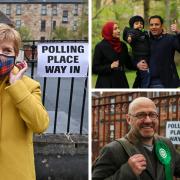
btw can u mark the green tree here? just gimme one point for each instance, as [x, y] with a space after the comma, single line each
[83, 28]
[25, 33]
[60, 33]
[146, 10]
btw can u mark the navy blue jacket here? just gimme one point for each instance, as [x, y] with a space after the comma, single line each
[162, 63]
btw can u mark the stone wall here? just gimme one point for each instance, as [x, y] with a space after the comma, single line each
[61, 157]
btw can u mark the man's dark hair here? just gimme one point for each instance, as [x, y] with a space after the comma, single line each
[158, 17]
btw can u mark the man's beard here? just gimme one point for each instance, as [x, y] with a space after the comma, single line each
[138, 134]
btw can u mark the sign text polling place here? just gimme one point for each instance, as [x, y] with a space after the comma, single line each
[63, 59]
[173, 131]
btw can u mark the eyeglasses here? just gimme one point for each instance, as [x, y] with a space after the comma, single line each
[143, 115]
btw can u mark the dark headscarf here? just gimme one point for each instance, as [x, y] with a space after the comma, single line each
[107, 34]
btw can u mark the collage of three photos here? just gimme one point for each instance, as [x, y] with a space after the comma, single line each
[135, 96]
[89, 89]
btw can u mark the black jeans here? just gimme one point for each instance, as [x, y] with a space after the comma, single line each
[145, 78]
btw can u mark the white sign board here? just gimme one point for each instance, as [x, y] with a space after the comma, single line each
[62, 59]
[173, 131]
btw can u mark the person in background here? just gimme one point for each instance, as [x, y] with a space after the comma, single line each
[110, 58]
[138, 39]
[163, 47]
[141, 154]
[21, 111]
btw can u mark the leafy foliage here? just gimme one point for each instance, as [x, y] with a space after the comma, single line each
[121, 10]
[60, 33]
[25, 33]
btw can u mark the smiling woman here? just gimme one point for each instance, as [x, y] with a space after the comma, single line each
[21, 111]
[110, 58]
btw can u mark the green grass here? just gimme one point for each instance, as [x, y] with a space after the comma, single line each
[130, 76]
[94, 77]
[178, 69]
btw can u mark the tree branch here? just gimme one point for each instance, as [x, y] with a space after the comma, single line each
[100, 11]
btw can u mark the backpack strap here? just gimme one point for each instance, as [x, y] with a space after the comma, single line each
[129, 148]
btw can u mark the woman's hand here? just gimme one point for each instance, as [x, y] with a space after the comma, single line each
[142, 65]
[115, 64]
[22, 66]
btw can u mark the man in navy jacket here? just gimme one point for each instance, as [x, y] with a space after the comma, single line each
[163, 46]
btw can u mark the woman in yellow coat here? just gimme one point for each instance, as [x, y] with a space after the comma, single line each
[21, 111]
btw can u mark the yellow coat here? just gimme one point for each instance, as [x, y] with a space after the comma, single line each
[21, 115]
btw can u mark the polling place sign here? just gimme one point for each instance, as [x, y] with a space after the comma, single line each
[173, 131]
[62, 59]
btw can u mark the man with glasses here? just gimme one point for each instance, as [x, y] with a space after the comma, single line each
[141, 154]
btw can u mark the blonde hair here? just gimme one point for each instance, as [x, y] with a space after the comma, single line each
[10, 34]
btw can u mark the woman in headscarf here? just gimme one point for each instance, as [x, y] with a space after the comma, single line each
[110, 57]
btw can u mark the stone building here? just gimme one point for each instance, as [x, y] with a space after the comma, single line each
[109, 111]
[42, 17]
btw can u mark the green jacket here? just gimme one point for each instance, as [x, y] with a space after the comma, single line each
[112, 162]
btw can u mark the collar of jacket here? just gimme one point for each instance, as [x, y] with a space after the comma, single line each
[156, 37]
[134, 139]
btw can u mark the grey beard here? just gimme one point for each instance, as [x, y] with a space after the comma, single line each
[139, 136]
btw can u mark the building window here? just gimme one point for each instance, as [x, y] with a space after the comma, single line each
[165, 108]
[157, 109]
[43, 25]
[155, 94]
[8, 10]
[43, 10]
[112, 109]
[174, 108]
[18, 23]
[86, 10]
[75, 26]
[172, 93]
[112, 132]
[54, 25]
[65, 16]
[42, 38]
[130, 98]
[18, 9]
[76, 10]
[54, 10]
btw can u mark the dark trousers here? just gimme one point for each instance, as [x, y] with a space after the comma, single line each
[145, 78]
[156, 83]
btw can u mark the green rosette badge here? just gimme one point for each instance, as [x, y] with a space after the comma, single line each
[164, 155]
